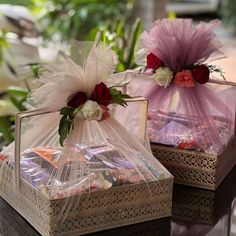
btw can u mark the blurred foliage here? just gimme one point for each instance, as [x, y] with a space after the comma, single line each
[17, 96]
[15, 2]
[73, 19]
[123, 39]
[3, 43]
[63, 20]
[6, 135]
[228, 12]
[82, 19]
[13, 100]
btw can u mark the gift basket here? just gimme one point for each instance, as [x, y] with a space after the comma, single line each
[74, 169]
[190, 125]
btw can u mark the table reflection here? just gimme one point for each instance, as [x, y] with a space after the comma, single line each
[195, 212]
[203, 212]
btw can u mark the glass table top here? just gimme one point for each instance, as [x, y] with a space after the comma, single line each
[195, 212]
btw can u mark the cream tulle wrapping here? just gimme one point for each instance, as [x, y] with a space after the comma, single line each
[96, 156]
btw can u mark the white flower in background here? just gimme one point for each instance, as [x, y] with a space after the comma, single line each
[7, 108]
[163, 76]
[90, 110]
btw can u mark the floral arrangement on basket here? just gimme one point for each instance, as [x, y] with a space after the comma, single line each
[184, 111]
[95, 107]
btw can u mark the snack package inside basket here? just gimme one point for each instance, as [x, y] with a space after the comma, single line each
[79, 147]
[185, 110]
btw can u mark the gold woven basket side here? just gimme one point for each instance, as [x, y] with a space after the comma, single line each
[188, 167]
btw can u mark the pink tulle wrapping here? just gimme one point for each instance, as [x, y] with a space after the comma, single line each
[200, 103]
[177, 112]
[179, 44]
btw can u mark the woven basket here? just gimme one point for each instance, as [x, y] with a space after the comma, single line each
[95, 211]
[196, 169]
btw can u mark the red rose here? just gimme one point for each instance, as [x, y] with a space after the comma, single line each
[153, 62]
[201, 73]
[101, 95]
[77, 100]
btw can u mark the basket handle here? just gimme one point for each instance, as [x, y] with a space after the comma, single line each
[19, 118]
[143, 118]
[223, 82]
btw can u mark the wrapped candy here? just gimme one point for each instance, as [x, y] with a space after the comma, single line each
[74, 164]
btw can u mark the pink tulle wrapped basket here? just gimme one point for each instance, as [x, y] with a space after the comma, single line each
[191, 115]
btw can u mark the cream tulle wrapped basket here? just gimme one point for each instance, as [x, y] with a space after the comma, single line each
[74, 169]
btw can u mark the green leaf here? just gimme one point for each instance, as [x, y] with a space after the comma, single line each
[18, 104]
[62, 124]
[5, 129]
[120, 67]
[133, 39]
[120, 28]
[118, 97]
[65, 123]
[37, 69]
[64, 133]
[17, 91]
[67, 111]
[114, 92]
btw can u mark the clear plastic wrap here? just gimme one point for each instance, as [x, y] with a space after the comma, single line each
[96, 153]
[184, 111]
[134, 119]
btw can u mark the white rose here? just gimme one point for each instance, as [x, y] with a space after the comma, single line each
[90, 110]
[163, 76]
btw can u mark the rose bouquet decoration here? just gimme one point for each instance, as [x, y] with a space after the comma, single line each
[176, 56]
[199, 73]
[176, 52]
[94, 108]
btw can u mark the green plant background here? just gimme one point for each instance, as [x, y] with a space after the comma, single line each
[63, 20]
[228, 12]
